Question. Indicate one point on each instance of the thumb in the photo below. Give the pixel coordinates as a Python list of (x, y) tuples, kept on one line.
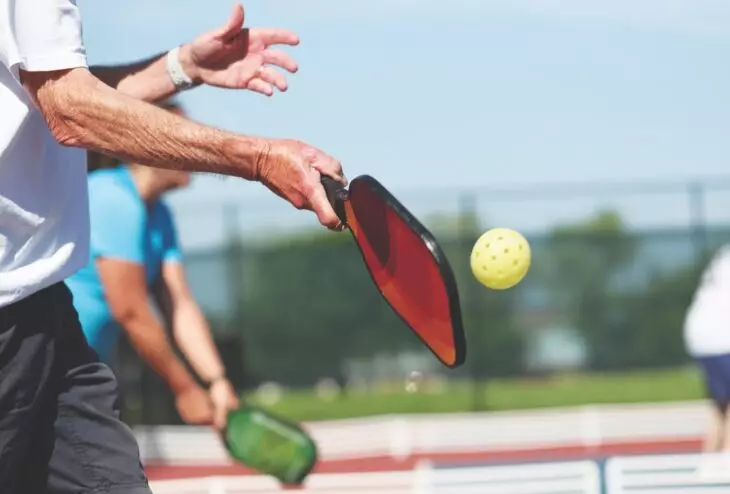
[(233, 25)]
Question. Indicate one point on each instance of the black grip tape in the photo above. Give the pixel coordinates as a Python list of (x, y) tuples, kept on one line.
[(337, 194)]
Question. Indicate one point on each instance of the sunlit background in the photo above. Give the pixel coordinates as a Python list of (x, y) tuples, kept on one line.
[(598, 129)]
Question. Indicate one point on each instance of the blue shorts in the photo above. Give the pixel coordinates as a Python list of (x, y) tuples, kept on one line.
[(717, 378)]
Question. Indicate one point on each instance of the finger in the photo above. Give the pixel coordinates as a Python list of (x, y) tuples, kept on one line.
[(280, 59), (323, 209), (273, 78), (329, 166), (276, 36), (324, 163), (233, 25), (260, 86)]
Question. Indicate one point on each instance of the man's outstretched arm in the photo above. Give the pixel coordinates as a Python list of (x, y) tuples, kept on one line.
[(147, 80), (48, 57), (81, 111), (230, 56)]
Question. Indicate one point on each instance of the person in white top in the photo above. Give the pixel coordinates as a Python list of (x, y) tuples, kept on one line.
[(707, 339), (60, 431)]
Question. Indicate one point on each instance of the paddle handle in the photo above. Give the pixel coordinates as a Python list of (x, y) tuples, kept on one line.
[(337, 194), (335, 190)]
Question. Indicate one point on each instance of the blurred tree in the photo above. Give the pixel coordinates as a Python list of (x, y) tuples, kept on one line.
[(307, 304), (656, 317), (310, 305), (450, 226), (585, 264), (494, 342)]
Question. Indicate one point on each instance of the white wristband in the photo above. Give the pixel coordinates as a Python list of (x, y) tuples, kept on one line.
[(179, 78)]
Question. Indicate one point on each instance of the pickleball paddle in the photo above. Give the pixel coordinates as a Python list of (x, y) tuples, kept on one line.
[(405, 262), (269, 444)]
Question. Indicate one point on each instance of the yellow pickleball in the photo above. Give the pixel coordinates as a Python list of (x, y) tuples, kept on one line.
[(500, 258)]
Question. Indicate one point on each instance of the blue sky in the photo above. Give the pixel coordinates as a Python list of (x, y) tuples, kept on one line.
[(433, 96)]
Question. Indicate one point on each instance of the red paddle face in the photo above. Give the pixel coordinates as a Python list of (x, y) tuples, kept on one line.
[(408, 267)]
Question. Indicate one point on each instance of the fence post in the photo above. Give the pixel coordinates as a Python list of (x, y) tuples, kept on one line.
[(422, 477), (217, 485), (400, 436), (233, 257), (590, 418), (698, 222), (468, 231)]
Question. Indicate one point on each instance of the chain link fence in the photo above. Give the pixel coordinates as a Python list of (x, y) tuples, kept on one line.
[(614, 269)]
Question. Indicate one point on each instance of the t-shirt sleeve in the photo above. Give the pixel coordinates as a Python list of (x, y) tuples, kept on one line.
[(171, 249), (117, 222), (43, 35)]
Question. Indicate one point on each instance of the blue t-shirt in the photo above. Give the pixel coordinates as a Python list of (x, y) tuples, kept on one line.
[(123, 227)]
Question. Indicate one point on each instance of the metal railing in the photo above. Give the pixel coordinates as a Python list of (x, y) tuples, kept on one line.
[(614, 269), (398, 437), (693, 473), (582, 477), (651, 474)]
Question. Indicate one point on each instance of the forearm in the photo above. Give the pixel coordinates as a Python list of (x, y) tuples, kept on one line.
[(84, 112), (151, 343), (147, 80), (193, 337)]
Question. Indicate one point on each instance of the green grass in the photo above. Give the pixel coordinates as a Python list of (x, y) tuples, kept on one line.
[(506, 394)]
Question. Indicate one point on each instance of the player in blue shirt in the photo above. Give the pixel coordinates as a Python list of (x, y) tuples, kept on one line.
[(135, 254)]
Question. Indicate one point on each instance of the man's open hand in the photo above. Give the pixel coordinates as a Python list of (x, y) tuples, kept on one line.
[(237, 58), (293, 169)]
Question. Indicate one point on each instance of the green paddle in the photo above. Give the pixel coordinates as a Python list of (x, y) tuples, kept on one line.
[(270, 444)]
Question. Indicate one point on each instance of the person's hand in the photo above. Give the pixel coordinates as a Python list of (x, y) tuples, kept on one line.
[(292, 170), (236, 58), (224, 399), (194, 406)]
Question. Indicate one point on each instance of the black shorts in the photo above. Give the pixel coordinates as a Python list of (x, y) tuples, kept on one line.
[(60, 431)]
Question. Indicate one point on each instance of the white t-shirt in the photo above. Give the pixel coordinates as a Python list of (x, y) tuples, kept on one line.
[(707, 323), (44, 224)]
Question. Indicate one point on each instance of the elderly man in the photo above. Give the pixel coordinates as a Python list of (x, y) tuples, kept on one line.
[(60, 430)]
